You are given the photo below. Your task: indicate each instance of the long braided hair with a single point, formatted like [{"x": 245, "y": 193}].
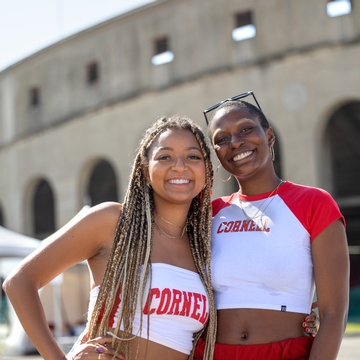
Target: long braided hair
[{"x": 133, "y": 243}]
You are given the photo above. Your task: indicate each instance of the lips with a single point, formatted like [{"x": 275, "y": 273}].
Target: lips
[
  {"x": 242, "y": 155},
  {"x": 179, "y": 181}
]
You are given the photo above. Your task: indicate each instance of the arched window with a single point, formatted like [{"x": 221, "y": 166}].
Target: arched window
[
  {"x": 102, "y": 184},
  {"x": 343, "y": 134},
  {"x": 344, "y": 131},
  {"x": 43, "y": 210}
]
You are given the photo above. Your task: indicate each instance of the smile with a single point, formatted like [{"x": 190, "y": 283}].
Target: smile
[
  {"x": 179, "y": 181},
  {"x": 242, "y": 155}
]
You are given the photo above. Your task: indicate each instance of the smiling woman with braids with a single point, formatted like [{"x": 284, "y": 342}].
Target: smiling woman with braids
[{"x": 149, "y": 258}]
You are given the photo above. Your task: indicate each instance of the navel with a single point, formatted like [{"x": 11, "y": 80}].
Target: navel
[{"x": 244, "y": 335}]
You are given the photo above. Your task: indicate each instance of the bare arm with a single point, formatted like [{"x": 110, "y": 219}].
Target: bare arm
[
  {"x": 331, "y": 269},
  {"x": 83, "y": 238}
]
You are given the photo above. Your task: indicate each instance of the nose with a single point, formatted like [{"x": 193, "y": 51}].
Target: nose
[
  {"x": 179, "y": 164},
  {"x": 236, "y": 141}
]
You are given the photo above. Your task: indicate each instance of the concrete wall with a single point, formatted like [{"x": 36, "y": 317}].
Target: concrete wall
[{"x": 302, "y": 65}]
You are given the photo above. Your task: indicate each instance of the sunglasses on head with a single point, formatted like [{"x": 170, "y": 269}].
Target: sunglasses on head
[{"x": 236, "y": 97}]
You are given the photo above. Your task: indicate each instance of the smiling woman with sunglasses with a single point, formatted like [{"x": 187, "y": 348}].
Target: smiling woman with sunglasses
[{"x": 272, "y": 241}]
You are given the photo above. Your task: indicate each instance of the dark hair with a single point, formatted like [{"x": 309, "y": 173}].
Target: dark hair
[{"x": 252, "y": 109}]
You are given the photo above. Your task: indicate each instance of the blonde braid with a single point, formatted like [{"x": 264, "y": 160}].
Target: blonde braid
[{"x": 131, "y": 250}]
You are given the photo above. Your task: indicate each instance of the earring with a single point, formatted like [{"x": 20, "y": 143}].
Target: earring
[
  {"x": 217, "y": 174},
  {"x": 148, "y": 185},
  {"x": 272, "y": 152}
]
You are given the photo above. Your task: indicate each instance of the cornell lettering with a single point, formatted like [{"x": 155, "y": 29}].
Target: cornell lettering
[
  {"x": 241, "y": 226},
  {"x": 175, "y": 302}
]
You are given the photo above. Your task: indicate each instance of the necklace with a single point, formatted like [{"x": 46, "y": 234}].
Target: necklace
[
  {"x": 272, "y": 194},
  {"x": 169, "y": 236},
  {"x": 168, "y": 222}
]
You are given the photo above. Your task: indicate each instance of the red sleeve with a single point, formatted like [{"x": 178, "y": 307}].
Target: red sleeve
[
  {"x": 315, "y": 208},
  {"x": 221, "y": 202}
]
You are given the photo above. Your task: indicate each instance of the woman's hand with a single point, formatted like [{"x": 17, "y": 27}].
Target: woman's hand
[
  {"x": 96, "y": 349},
  {"x": 311, "y": 322}
]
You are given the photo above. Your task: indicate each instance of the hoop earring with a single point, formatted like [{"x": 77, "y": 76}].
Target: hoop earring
[
  {"x": 272, "y": 152},
  {"x": 217, "y": 174}
]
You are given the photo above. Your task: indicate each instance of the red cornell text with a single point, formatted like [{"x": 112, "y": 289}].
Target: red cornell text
[
  {"x": 176, "y": 302},
  {"x": 239, "y": 225}
]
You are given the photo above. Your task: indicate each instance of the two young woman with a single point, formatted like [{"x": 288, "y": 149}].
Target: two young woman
[{"x": 150, "y": 262}]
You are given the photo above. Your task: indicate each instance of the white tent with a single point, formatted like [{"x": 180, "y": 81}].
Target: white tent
[
  {"x": 75, "y": 283},
  {"x": 13, "y": 244},
  {"x": 13, "y": 248}
]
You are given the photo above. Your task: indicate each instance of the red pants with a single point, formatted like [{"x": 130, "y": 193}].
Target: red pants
[{"x": 296, "y": 349}]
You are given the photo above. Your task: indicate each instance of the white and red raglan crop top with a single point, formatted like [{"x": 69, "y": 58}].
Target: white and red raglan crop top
[
  {"x": 266, "y": 263},
  {"x": 179, "y": 307}
]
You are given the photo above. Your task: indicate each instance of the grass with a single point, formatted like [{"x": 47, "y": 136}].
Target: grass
[{"x": 352, "y": 328}]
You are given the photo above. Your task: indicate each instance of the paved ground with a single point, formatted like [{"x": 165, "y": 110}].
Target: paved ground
[{"x": 350, "y": 350}]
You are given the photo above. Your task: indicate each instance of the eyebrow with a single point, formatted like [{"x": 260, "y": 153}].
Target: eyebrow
[
  {"x": 235, "y": 123},
  {"x": 172, "y": 149}
]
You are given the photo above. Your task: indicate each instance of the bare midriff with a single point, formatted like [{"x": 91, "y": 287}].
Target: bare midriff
[
  {"x": 257, "y": 326},
  {"x": 153, "y": 351}
]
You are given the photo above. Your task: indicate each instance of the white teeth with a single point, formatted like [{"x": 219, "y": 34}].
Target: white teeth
[
  {"x": 242, "y": 156},
  {"x": 179, "y": 181}
]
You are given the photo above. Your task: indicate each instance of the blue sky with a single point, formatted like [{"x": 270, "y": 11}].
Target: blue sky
[{"x": 27, "y": 26}]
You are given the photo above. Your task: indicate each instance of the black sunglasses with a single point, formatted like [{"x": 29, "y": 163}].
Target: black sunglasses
[{"x": 236, "y": 97}]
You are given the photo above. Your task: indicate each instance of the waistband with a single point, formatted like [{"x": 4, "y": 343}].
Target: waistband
[{"x": 294, "y": 348}]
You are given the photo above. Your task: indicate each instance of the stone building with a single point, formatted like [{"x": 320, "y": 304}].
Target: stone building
[{"x": 71, "y": 114}]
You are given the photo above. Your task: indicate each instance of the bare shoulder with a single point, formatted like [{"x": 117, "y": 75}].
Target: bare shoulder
[
  {"x": 101, "y": 220},
  {"x": 106, "y": 212}
]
